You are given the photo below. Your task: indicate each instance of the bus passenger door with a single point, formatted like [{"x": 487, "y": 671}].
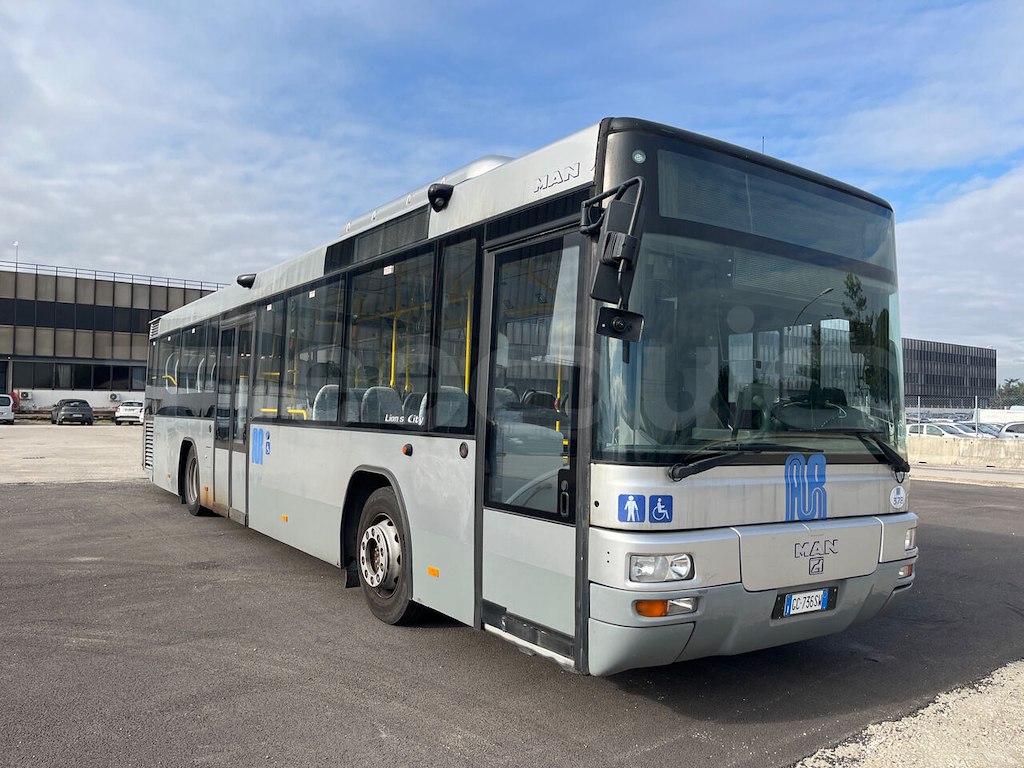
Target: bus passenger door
[
  {"x": 231, "y": 423},
  {"x": 528, "y": 541}
]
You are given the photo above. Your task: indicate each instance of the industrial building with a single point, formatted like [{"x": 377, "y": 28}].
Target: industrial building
[
  {"x": 67, "y": 332},
  {"x": 941, "y": 375}
]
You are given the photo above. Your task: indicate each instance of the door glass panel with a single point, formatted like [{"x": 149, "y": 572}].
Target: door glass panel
[
  {"x": 244, "y": 362},
  {"x": 532, "y": 376},
  {"x": 225, "y": 378}
]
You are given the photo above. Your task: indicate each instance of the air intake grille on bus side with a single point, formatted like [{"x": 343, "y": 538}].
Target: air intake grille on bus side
[{"x": 147, "y": 447}]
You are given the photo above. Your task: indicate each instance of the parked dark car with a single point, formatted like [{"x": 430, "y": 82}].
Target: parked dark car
[{"x": 71, "y": 412}]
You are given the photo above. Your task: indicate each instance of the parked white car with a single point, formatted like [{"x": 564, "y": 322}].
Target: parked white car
[
  {"x": 937, "y": 430},
  {"x": 129, "y": 412},
  {"x": 968, "y": 428},
  {"x": 6, "y": 409},
  {"x": 1014, "y": 429}
]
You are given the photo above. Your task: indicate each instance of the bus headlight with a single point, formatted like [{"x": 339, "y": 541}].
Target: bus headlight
[
  {"x": 911, "y": 540},
  {"x": 654, "y": 568}
]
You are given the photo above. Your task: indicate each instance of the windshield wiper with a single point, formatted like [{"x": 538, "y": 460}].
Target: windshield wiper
[
  {"x": 892, "y": 456},
  {"x": 684, "y": 469}
]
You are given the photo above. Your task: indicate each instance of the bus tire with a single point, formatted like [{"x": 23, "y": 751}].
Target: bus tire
[
  {"x": 190, "y": 483},
  {"x": 384, "y": 569}
]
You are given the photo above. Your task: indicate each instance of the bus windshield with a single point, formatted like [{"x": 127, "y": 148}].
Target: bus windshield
[{"x": 771, "y": 315}]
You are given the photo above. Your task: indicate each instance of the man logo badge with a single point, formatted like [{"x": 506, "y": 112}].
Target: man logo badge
[{"x": 815, "y": 552}]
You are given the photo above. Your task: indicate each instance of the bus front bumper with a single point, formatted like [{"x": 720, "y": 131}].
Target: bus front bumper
[{"x": 728, "y": 620}]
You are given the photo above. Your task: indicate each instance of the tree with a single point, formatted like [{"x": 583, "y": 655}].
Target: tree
[{"x": 1010, "y": 392}]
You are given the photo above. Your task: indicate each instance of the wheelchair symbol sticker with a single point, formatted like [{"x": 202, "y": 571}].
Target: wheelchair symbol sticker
[{"x": 661, "y": 509}]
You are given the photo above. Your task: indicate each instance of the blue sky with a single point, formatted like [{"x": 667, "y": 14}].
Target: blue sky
[{"x": 202, "y": 140}]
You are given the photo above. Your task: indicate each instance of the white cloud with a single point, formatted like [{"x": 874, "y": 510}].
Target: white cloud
[
  {"x": 961, "y": 268},
  {"x": 951, "y": 100},
  {"x": 137, "y": 143}
]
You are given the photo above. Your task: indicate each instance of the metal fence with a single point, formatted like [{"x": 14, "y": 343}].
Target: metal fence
[{"x": 97, "y": 274}]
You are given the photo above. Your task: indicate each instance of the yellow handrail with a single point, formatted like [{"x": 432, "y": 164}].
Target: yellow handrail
[{"x": 469, "y": 334}]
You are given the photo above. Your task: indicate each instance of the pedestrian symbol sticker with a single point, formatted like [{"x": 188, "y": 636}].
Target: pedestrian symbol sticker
[
  {"x": 661, "y": 509},
  {"x": 632, "y": 508}
]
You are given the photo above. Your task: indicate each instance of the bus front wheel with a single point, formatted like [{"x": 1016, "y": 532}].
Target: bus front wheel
[{"x": 384, "y": 568}]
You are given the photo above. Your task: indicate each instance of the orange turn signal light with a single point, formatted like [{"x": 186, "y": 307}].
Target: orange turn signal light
[{"x": 652, "y": 608}]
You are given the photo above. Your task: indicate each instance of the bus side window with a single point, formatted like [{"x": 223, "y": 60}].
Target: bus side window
[
  {"x": 269, "y": 356},
  {"x": 452, "y": 401},
  {"x": 390, "y": 309},
  {"x": 312, "y": 351}
]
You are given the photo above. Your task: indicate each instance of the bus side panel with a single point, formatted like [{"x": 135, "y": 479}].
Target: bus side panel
[
  {"x": 299, "y": 481},
  {"x": 169, "y": 433},
  {"x": 541, "y": 174},
  {"x": 529, "y": 569}
]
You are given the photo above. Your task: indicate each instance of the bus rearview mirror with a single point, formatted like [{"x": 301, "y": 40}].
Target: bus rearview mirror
[{"x": 617, "y": 252}]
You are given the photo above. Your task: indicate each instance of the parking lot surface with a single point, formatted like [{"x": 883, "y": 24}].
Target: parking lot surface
[
  {"x": 37, "y": 451},
  {"x": 135, "y": 634}
]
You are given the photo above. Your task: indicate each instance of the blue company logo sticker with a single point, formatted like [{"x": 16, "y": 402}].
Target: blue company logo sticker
[
  {"x": 260, "y": 445},
  {"x": 806, "y": 498},
  {"x": 632, "y": 508}
]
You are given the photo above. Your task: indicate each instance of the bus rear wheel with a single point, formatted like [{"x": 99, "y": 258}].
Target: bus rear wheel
[
  {"x": 384, "y": 567},
  {"x": 190, "y": 483}
]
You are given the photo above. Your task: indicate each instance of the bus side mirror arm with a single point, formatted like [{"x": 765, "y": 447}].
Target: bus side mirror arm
[{"x": 618, "y": 247}]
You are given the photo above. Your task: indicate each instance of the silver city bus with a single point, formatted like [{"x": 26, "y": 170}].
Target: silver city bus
[{"x": 631, "y": 399}]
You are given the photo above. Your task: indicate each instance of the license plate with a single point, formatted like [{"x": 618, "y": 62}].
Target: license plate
[
  {"x": 795, "y": 603},
  {"x": 806, "y": 602}
]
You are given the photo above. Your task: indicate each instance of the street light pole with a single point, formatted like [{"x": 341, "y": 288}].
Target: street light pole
[{"x": 15, "y": 254}]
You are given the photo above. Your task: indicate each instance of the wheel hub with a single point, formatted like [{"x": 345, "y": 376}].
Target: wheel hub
[{"x": 380, "y": 555}]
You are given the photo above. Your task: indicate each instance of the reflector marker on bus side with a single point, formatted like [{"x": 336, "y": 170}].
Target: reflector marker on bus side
[{"x": 432, "y": 571}]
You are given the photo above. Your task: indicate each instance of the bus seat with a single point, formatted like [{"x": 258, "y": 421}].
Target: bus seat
[
  {"x": 539, "y": 408},
  {"x": 353, "y": 404},
  {"x": 411, "y": 405},
  {"x": 325, "y": 404},
  {"x": 381, "y": 405},
  {"x": 539, "y": 399},
  {"x": 833, "y": 395},
  {"x": 503, "y": 397},
  {"x": 452, "y": 409},
  {"x": 321, "y": 374},
  {"x": 754, "y": 404}
]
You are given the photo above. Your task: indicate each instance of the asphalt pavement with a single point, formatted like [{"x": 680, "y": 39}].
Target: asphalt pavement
[{"x": 1009, "y": 478}]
